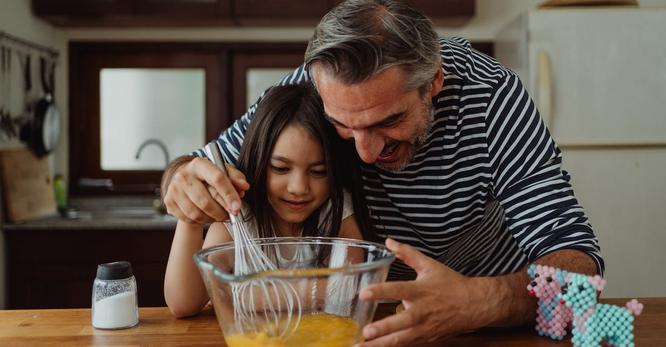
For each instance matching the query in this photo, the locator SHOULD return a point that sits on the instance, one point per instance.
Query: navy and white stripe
(485, 195)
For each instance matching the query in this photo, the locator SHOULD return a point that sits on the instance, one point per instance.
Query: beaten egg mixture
(315, 330)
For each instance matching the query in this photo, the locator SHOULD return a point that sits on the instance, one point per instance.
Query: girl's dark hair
(280, 107)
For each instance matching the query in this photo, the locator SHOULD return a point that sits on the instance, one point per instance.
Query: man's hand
(437, 303)
(198, 192)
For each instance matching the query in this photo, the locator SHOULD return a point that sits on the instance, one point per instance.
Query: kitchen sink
(129, 212)
(118, 209)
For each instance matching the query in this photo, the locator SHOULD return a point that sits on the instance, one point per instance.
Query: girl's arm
(184, 290)
(349, 229)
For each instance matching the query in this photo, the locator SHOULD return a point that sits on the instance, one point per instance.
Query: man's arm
(541, 211)
(510, 305)
(441, 303)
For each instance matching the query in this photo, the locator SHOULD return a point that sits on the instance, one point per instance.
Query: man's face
(386, 122)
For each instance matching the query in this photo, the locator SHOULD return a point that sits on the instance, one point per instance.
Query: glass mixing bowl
(311, 299)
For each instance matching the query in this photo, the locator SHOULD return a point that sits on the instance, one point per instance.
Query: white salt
(118, 311)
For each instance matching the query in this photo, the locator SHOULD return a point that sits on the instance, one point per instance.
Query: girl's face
(296, 180)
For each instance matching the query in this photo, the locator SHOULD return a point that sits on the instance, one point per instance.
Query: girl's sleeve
(347, 206)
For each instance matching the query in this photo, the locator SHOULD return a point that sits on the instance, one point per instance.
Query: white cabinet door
(607, 73)
(623, 192)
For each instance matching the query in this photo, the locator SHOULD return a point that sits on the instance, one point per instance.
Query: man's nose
(298, 184)
(368, 145)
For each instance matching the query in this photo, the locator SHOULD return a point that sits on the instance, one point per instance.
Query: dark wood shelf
(212, 13)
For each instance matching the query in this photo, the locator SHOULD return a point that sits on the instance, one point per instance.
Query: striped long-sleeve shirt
(485, 194)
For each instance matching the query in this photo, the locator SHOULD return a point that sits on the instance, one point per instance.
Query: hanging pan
(41, 133)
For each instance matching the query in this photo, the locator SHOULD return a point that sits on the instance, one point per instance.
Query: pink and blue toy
(594, 322)
(553, 316)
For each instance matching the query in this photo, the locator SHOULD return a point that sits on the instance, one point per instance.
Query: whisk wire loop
(279, 302)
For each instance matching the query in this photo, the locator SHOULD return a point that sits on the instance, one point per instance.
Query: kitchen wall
(17, 20)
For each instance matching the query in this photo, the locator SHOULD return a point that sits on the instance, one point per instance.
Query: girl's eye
(279, 169)
(318, 173)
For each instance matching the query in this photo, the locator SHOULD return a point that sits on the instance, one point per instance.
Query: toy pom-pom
(634, 307)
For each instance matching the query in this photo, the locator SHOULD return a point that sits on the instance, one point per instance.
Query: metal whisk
(272, 306)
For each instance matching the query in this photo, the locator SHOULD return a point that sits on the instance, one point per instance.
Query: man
(457, 166)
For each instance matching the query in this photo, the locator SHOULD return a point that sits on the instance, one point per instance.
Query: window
(157, 111)
(164, 99)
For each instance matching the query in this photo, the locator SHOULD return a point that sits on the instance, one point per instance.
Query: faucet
(157, 143)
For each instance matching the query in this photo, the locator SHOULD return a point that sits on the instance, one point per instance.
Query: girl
(291, 157)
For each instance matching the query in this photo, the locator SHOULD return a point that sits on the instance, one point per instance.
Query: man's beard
(419, 139)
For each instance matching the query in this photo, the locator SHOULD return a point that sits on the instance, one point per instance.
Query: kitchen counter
(71, 327)
(103, 213)
(166, 222)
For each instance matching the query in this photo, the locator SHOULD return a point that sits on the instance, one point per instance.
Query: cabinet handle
(544, 93)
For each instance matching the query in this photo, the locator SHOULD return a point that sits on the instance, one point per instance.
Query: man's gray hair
(360, 38)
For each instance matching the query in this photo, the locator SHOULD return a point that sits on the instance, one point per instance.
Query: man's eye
(390, 124)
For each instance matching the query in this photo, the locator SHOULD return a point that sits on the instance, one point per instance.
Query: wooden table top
(71, 327)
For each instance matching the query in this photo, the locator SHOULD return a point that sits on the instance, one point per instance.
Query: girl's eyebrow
(281, 158)
(288, 161)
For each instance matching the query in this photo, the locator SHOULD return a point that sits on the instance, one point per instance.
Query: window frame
(224, 86)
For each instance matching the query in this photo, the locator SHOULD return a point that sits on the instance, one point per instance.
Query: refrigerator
(598, 78)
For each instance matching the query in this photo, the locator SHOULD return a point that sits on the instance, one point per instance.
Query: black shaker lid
(114, 271)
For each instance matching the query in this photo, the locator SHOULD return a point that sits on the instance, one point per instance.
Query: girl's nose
(298, 184)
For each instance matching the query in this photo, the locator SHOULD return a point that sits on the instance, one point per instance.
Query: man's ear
(437, 83)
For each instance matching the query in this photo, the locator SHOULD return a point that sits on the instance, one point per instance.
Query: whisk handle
(216, 156)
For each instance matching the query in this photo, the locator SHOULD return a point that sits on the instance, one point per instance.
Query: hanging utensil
(6, 121)
(43, 131)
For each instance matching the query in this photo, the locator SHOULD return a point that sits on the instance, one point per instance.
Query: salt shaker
(114, 297)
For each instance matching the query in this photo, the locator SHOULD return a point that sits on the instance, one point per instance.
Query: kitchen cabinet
(446, 13)
(181, 12)
(55, 268)
(262, 12)
(604, 105)
(64, 12)
(114, 13)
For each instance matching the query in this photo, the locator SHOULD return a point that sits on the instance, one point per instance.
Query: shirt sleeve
(347, 205)
(541, 211)
(231, 139)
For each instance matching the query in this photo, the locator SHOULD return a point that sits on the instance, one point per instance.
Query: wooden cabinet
(115, 13)
(82, 8)
(182, 12)
(56, 268)
(68, 12)
(448, 12)
(277, 12)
